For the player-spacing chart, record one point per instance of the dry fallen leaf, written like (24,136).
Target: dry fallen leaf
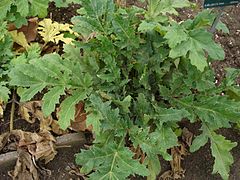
(29,30)
(79,123)
(44,149)
(56,128)
(177,172)
(3,140)
(187,136)
(2,107)
(48,123)
(1,111)
(74,170)
(25,168)
(19,38)
(31,111)
(177,169)
(25,109)
(167,175)
(39,145)
(30,148)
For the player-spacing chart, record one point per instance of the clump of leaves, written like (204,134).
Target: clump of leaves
(139,73)
(17,10)
(53,31)
(6,54)
(9,59)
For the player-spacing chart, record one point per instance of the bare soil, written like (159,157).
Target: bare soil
(230,43)
(199,165)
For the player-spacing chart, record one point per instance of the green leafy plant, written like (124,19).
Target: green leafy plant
(6,55)
(139,72)
(8,58)
(17,10)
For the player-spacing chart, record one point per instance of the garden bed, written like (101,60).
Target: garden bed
(197,165)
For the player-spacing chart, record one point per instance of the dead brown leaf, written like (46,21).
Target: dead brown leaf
(30,148)
(167,175)
(45,149)
(79,123)
(138,153)
(56,128)
(31,111)
(177,169)
(2,107)
(39,145)
(1,112)
(187,136)
(74,170)
(178,153)
(28,111)
(176,172)
(24,168)
(29,30)
(24,113)
(3,140)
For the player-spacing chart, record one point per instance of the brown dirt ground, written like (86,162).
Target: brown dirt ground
(198,165)
(63,167)
(230,43)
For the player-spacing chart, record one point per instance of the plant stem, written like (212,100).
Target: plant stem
(12,110)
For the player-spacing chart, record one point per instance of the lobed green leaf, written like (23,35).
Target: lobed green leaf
(51,98)
(67,108)
(110,162)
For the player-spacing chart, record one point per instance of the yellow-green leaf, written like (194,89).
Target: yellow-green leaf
(19,38)
(53,31)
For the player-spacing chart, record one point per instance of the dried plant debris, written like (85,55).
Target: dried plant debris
(178,153)
(25,35)
(19,38)
(79,123)
(138,154)
(28,110)
(2,108)
(25,169)
(3,140)
(40,145)
(31,111)
(30,30)
(30,147)
(187,137)
(72,169)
